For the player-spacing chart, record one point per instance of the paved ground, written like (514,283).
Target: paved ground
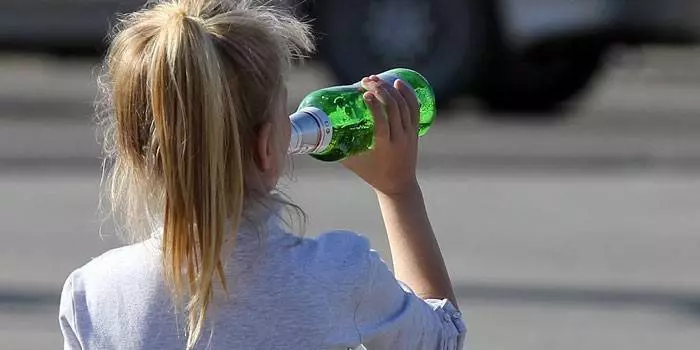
(559,235)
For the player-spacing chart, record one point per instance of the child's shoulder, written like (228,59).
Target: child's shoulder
(337,247)
(118,265)
(342,242)
(338,256)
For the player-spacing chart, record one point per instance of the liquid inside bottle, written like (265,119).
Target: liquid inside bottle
(334,123)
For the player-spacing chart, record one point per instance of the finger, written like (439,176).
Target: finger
(393,115)
(381,127)
(413,106)
(403,106)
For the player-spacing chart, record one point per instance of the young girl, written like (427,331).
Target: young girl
(198,135)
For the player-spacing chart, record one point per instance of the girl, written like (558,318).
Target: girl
(198,135)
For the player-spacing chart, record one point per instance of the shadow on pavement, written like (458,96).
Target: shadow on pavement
(16,301)
(24,301)
(688,303)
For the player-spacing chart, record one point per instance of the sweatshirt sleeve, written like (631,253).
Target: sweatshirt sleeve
(66,317)
(391,316)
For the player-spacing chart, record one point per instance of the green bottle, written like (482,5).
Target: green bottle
(334,123)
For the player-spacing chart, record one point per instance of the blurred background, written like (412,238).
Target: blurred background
(562,175)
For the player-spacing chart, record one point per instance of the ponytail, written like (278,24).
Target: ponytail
(187,84)
(188,100)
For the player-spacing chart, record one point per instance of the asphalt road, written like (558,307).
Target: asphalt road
(577,234)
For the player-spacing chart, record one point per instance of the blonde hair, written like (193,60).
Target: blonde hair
(187,83)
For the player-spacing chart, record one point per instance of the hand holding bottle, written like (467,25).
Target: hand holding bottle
(390,166)
(335,123)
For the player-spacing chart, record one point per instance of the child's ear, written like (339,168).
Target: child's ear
(265,155)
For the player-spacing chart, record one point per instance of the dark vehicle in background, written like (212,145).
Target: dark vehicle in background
(514,55)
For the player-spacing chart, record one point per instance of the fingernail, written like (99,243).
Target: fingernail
(374,77)
(368,97)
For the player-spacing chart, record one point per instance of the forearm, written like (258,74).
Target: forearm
(415,252)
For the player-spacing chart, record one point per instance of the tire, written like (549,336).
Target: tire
(444,40)
(542,78)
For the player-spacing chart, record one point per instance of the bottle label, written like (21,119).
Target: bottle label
(390,78)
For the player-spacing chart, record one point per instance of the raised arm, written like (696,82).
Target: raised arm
(390,168)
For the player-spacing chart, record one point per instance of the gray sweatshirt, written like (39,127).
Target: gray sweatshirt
(284,292)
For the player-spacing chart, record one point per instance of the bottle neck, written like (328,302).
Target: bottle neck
(312,131)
